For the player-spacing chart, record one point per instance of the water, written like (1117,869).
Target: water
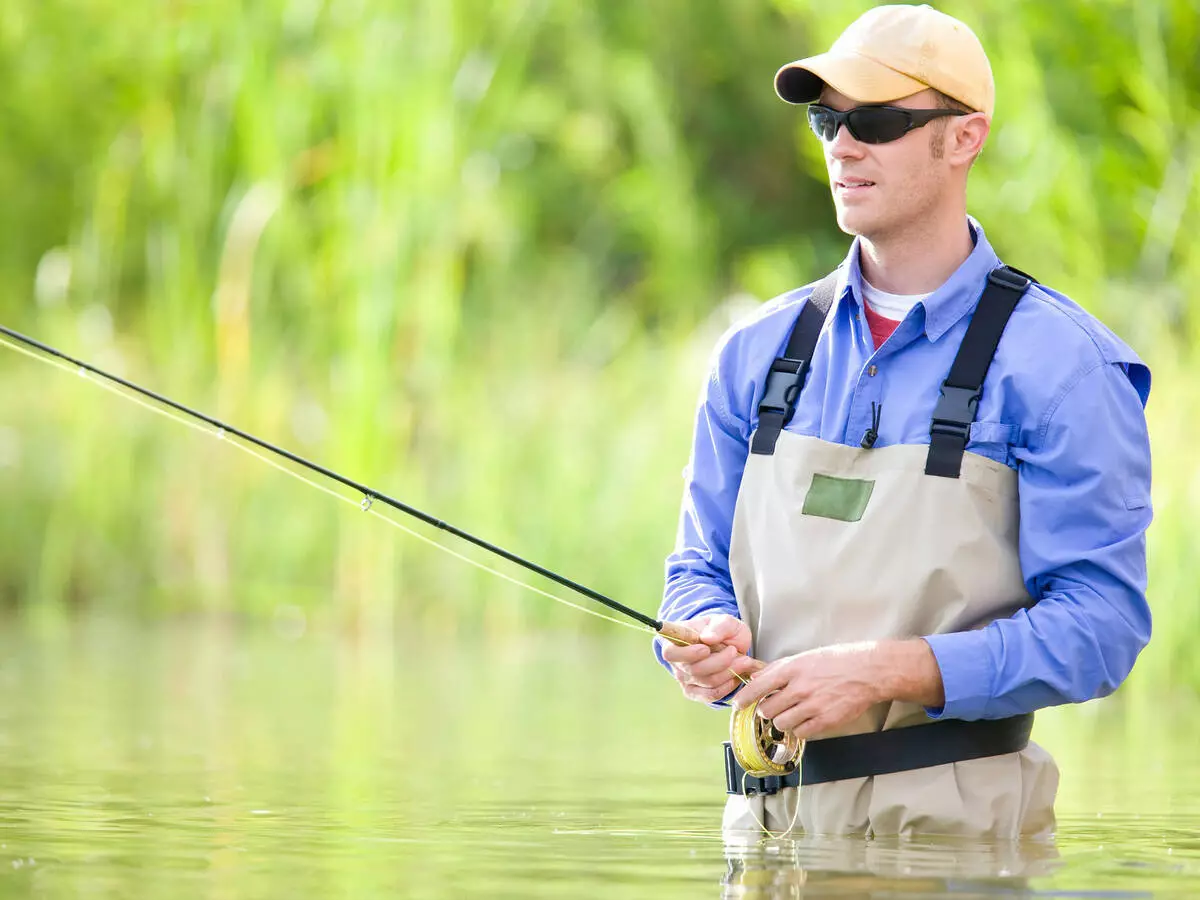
(198,760)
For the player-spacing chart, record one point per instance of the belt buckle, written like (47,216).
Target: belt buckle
(737,781)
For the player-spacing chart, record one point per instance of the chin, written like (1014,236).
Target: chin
(853,222)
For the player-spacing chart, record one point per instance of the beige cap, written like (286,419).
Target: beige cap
(891,52)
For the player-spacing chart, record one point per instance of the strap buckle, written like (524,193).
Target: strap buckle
(955,411)
(784,382)
(1010,278)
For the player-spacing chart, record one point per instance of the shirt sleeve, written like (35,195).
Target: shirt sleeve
(697,571)
(1085,507)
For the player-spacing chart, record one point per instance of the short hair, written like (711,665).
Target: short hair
(945,101)
(937,131)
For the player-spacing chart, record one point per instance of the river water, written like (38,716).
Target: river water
(202,759)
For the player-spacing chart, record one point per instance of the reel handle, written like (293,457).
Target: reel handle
(678,631)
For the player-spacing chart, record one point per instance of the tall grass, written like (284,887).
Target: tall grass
(475,254)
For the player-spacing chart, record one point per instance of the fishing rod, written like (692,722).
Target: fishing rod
(759,747)
(673,631)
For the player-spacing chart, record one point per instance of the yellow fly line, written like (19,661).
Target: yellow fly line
(760,748)
(366,505)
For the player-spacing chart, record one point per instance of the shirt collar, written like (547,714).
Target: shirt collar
(950,302)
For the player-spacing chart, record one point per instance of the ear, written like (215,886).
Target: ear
(966,138)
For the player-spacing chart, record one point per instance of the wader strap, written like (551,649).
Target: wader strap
(786,378)
(885,752)
(955,410)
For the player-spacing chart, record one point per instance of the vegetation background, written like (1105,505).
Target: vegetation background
(476,254)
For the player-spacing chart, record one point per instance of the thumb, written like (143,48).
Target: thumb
(725,629)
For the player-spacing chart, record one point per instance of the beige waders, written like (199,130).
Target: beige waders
(834,543)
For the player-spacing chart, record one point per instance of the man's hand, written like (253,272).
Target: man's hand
(706,676)
(815,692)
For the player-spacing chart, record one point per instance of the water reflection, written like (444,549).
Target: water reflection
(197,758)
(812,866)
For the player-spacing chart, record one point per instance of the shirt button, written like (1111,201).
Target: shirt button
(872,371)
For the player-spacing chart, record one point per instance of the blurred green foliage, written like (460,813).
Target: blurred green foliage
(476,254)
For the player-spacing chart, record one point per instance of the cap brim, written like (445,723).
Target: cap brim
(858,77)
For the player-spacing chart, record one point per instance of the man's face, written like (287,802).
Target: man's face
(880,189)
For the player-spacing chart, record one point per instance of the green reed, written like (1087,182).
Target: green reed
(476,254)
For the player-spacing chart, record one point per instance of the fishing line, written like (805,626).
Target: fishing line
(676,632)
(368,507)
(367,504)
(762,823)
(753,742)
(763,750)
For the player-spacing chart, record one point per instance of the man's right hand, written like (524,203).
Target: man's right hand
(706,676)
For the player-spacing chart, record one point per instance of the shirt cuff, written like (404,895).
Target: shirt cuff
(724,702)
(965,661)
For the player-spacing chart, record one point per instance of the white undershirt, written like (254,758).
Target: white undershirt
(890,306)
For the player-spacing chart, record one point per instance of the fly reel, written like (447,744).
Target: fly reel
(759,747)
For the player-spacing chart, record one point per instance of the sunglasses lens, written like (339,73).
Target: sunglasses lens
(823,122)
(876,125)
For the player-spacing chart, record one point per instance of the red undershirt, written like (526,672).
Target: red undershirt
(881,326)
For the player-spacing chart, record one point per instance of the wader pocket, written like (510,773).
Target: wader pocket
(844,499)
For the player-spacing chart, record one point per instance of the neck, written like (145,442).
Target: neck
(917,260)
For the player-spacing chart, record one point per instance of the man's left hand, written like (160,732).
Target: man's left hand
(824,689)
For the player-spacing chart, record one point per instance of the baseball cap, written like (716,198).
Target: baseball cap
(891,52)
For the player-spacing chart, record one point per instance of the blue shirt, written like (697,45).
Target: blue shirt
(1063,405)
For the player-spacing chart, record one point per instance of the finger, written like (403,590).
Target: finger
(717,663)
(775,704)
(685,677)
(812,727)
(692,653)
(719,629)
(745,666)
(795,716)
(769,679)
(709,694)
(727,630)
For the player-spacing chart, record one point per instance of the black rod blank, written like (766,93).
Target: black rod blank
(367,492)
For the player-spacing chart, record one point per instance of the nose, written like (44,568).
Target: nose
(844,145)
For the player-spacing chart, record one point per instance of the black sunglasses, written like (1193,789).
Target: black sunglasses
(872,124)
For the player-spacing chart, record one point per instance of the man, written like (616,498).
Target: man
(927,531)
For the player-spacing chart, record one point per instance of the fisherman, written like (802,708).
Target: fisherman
(919,487)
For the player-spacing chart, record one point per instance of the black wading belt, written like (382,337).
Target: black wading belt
(885,752)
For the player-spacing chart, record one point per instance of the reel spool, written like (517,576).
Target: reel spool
(759,747)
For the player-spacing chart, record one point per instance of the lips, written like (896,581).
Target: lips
(850,184)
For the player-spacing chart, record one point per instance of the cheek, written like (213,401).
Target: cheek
(917,174)
(829,164)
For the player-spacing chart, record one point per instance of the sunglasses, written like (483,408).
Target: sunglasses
(872,124)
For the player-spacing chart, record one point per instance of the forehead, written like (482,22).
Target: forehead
(921,100)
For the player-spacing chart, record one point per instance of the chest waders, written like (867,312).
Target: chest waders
(834,544)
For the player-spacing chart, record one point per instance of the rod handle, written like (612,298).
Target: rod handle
(682,633)
(678,631)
